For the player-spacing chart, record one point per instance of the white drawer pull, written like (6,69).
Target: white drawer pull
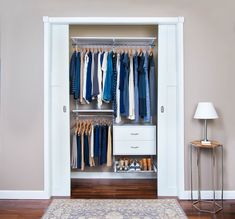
(134,133)
(134,147)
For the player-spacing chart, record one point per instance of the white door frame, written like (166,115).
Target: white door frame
(178,21)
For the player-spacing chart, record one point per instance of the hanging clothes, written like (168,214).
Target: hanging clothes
(82,146)
(103,155)
(91,148)
(86,149)
(136,81)
(126,63)
(108,82)
(86,61)
(79,151)
(118,115)
(100,95)
(72,69)
(152,86)
(109,148)
(104,70)
(74,152)
(127,80)
(142,86)
(82,77)
(147,117)
(114,84)
(121,85)
(72,72)
(131,91)
(88,79)
(95,76)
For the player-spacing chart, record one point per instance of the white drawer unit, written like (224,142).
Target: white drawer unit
(134,148)
(137,133)
(134,140)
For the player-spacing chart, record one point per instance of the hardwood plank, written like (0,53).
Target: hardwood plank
(110,188)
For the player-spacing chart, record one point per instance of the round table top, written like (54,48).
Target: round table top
(199,144)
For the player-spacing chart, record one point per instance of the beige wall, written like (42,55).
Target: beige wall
(209,33)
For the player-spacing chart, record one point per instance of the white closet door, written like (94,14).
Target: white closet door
(60,136)
(167,111)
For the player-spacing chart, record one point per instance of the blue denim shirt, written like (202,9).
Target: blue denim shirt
(107,95)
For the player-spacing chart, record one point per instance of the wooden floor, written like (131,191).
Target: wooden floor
(142,189)
(121,188)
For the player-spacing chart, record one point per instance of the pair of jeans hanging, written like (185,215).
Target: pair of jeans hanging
(103,155)
(86,150)
(79,152)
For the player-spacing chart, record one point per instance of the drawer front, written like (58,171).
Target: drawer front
(134,133)
(134,148)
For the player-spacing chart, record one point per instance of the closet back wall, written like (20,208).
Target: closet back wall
(209,33)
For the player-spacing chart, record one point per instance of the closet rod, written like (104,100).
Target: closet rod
(114,41)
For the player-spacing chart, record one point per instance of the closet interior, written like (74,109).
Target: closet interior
(113,101)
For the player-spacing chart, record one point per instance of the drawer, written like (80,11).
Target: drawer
(134,148)
(134,133)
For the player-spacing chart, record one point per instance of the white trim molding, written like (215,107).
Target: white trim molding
(24,194)
(114,20)
(207,194)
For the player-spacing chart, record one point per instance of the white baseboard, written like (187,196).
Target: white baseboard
(32,194)
(186,195)
(23,194)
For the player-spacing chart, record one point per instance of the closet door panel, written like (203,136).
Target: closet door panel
(60,55)
(167,111)
(60,136)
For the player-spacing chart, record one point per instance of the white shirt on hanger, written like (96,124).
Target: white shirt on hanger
(131,91)
(86,60)
(118,118)
(104,68)
(100,95)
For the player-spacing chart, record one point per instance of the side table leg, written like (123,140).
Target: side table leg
(222,186)
(213,176)
(199,174)
(191,171)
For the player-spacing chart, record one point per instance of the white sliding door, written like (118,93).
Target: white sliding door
(167,110)
(60,128)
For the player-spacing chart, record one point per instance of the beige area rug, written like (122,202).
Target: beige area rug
(114,209)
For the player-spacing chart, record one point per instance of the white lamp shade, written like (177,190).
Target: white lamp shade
(205,110)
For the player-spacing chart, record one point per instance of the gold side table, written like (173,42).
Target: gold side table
(198,203)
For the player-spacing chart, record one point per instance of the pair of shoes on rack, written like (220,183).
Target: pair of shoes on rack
(146,164)
(134,166)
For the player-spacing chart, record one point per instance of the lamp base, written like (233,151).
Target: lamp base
(206,142)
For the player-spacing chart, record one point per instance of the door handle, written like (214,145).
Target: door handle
(64,109)
(162,109)
(134,134)
(134,147)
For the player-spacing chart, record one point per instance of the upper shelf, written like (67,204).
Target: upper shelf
(114,41)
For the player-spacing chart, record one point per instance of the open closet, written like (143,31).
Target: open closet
(113,101)
(113,97)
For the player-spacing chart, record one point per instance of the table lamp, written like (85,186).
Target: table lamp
(205,110)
